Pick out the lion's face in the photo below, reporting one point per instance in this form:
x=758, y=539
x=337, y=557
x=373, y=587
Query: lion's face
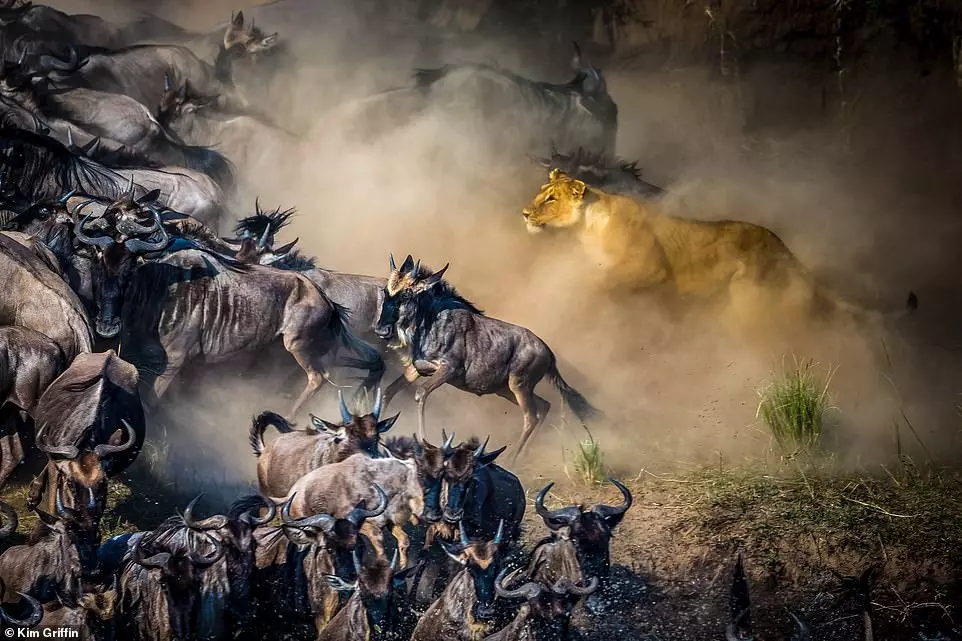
x=558, y=204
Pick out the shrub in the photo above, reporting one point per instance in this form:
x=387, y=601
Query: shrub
x=793, y=405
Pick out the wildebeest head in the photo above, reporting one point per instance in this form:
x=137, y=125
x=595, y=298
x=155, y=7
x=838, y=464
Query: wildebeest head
x=8, y=619
x=589, y=79
x=15, y=77
x=124, y=235
x=429, y=460
x=340, y=536
x=247, y=39
x=398, y=305
x=589, y=529
x=256, y=234
x=374, y=589
x=179, y=102
x=358, y=432
x=460, y=477
x=550, y=606
x=483, y=562
x=178, y=576
x=73, y=533
x=10, y=520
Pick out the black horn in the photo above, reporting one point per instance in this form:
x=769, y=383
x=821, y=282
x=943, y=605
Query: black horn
x=346, y=417
x=36, y=614
x=210, y=523
x=529, y=590
x=555, y=519
x=104, y=450
x=324, y=521
x=209, y=560
x=615, y=512
x=99, y=241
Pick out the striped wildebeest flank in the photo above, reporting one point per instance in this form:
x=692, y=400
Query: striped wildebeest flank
x=296, y=452
x=447, y=340
x=515, y=113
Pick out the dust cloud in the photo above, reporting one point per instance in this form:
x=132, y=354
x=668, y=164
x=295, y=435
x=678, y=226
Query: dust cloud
x=871, y=220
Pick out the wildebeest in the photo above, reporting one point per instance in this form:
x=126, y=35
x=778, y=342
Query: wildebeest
x=92, y=614
x=604, y=172
x=463, y=611
x=523, y=113
x=449, y=340
x=335, y=489
x=480, y=493
x=91, y=427
x=60, y=551
x=160, y=588
x=39, y=299
x=372, y=610
x=46, y=170
x=212, y=311
x=293, y=561
x=580, y=541
x=29, y=362
x=546, y=613
x=296, y=452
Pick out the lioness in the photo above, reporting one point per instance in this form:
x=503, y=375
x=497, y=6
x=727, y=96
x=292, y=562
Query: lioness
x=641, y=247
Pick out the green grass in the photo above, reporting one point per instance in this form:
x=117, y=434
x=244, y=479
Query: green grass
x=589, y=462
x=793, y=406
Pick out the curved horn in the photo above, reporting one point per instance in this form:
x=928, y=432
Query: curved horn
x=36, y=613
x=376, y=410
x=608, y=511
x=104, y=450
x=500, y=535
x=62, y=65
x=586, y=590
x=449, y=443
x=11, y=517
x=166, y=82
x=267, y=518
x=357, y=560
x=346, y=417
x=262, y=243
x=324, y=521
x=132, y=228
x=554, y=519
x=478, y=452
x=23, y=56
x=393, y=267
x=158, y=561
x=70, y=137
x=87, y=149
x=465, y=541
x=130, y=187
x=210, y=523
x=137, y=246
x=99, y=241
x=91, y=500
x=394, y=560
x=63, y=199
x=529, y=590
x=381, y=504
x=209, y=560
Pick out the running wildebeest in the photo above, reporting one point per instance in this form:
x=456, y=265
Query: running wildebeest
x=449, y=340
x=603, y=172
x=39, y=299
x=519, y=112
x=213, y=310
x=580, y=542
x=372, y=610
x=29, y=362
x=91, y=427
x=296, y=452
x=336, y=488
x=466, y=607
x=546, y=613
x=58, y=554
x=46, y=170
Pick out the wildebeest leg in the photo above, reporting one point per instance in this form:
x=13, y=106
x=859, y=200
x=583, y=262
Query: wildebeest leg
x=374, y=535
x=441, y=375
x=11, y=449
x=409, y=375
x=403, y=543
x=533, y=407
x=306, y=352
x=35, y=493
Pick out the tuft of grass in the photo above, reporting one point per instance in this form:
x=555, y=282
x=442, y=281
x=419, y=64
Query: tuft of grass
x=589, y=463
x=793, y=405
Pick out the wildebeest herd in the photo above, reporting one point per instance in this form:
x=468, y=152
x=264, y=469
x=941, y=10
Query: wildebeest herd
x=117, y=277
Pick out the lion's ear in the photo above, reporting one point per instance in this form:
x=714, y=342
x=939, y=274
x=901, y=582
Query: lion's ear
x=578, y=188
x=555, y=174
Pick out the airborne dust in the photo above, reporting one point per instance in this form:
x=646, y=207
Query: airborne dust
x=873, y=222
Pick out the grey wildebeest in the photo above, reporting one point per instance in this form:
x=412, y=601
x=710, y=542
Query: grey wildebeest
x=296, y=452
x=335, y=489
x=60, y=551
x=546, y=613
x=510, y=109
x=46, y=170
x=465, y=609
x=580, y=541
x=607, y=173
x=213, y=310
x=372, y=611
x=29, y=362
x=92, y=614
x=39, y=299
x=160, y=587
x=91, y=428
x=447, y=339
x=294, y=560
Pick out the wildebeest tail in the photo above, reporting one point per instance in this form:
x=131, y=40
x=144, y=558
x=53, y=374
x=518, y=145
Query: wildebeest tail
x=367, y=358
x=211, y=162
x=572, y=397
x=260, y=423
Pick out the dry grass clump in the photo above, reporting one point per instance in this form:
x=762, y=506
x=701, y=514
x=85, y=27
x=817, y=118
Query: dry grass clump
x=793, y=406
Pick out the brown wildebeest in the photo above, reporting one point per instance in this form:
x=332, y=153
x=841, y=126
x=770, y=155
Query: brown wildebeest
x=546, y=613
x=296, y=452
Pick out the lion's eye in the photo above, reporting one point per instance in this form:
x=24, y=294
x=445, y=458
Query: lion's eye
x=549, y=199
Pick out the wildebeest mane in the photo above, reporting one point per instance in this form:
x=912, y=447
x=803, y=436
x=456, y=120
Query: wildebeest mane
x=602, y=171
x=294, y=260
x=45, y=158
x=256, y=224
x=444, y=295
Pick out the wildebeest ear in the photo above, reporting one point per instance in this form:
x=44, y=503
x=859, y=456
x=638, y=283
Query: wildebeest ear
x=407, y=265
x=46, y=518
x=488, y=457
x=150, y=196
x=387, y=423
x=324, y=426
x=339, y=584
x=237, y=20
